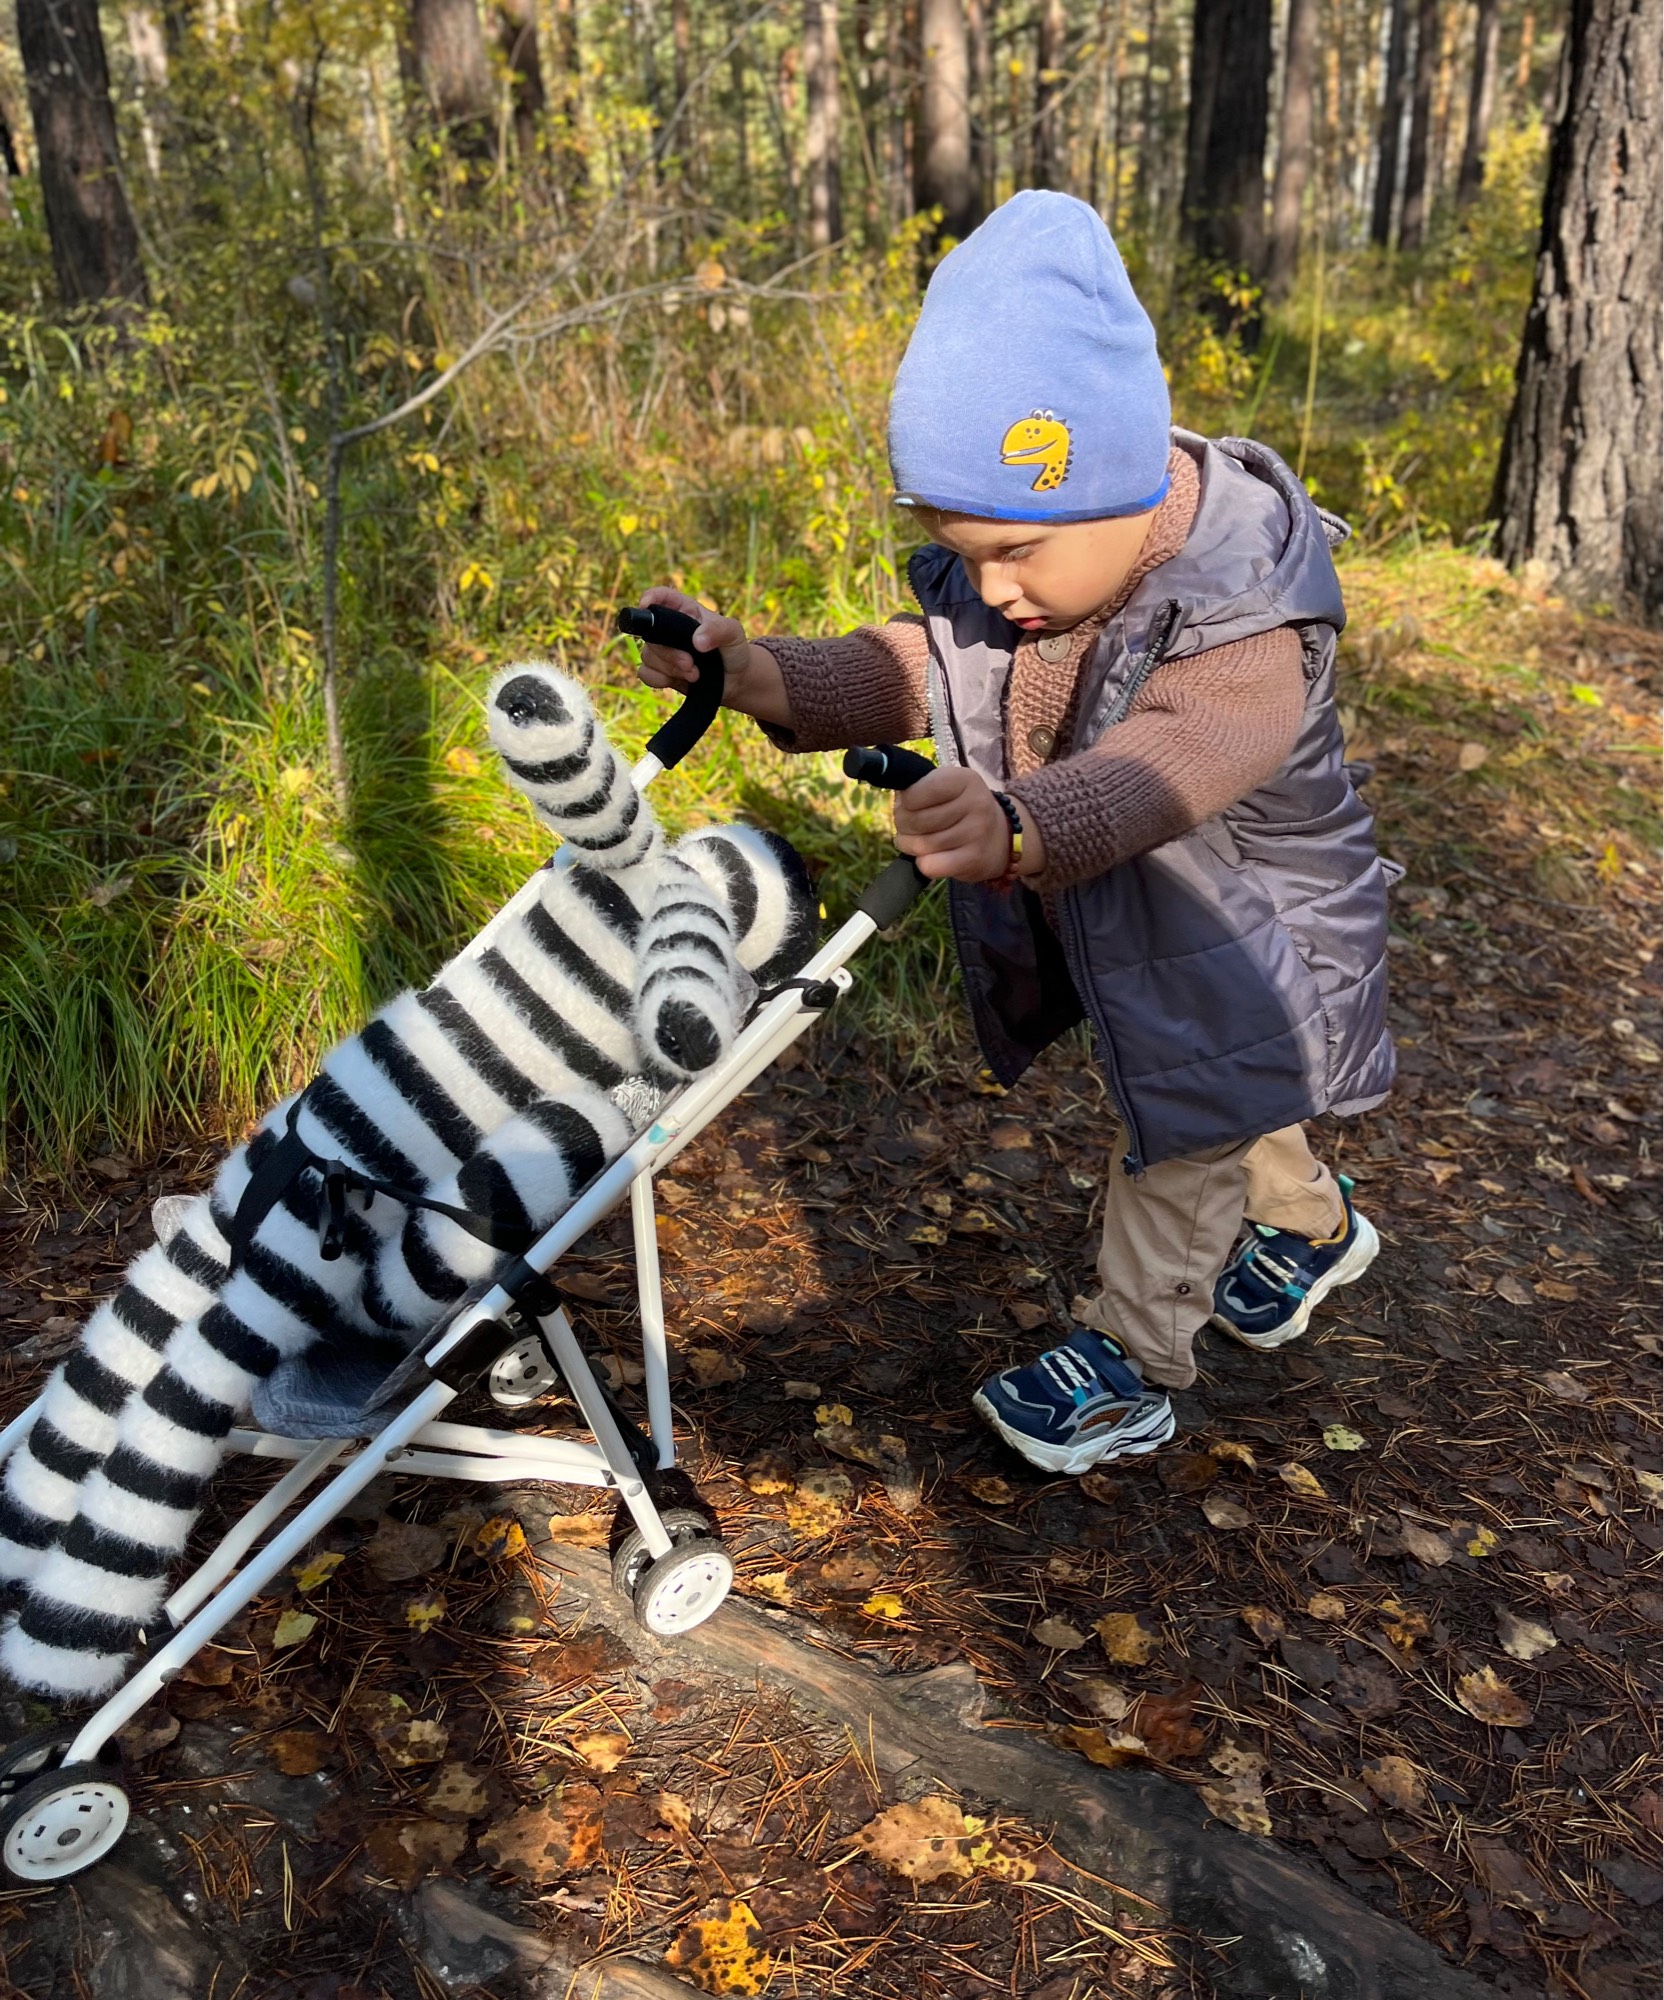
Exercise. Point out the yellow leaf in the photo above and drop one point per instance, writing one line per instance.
(462, 761)
(1126, 1641)
(1489, 1699)
(926, 1841)
(421, 1614)
(1481, 1542)
(319, 1570)
(1234, 1454)
(292, 1627)
(722, 1950)
(500, 1537)
(883, 1604)
(628, 524)
(1325, 1605)
(476, 577)
(1298, 1480)
(603, 1750)
(834, 1413)
(1338, 1438)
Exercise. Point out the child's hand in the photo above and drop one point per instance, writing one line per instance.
(952, 825)
(751, 676)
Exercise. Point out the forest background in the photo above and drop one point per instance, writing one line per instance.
(348, 350)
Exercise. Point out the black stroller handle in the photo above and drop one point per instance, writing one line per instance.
(891, 895)
(657, 625)
(887, 765)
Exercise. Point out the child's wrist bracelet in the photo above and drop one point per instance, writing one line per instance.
(1014, 860)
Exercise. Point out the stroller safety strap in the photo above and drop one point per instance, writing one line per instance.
(291, 1157)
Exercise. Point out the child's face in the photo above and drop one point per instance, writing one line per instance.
(1044, 577)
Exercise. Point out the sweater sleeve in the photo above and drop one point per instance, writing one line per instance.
(867, 687)
(1202, 734)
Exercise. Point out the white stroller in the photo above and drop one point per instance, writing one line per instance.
(62, 1804)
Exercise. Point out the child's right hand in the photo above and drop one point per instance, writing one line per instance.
(751, 676)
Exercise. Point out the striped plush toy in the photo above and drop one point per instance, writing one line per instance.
(500, 1089)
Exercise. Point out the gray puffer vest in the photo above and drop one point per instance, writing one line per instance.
(1235, 977)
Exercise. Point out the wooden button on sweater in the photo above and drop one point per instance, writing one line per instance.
(1042, 741)
(1055, 648)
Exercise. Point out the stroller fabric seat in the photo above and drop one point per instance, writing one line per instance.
(330, 1391)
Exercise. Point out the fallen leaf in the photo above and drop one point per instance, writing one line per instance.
(1324, 1605)
(1028, 1315)
(884, 1604)
(852, 1570)
(458, 1791)
(1479, 1541)
(1523, 1639)
(1403, 1625)
(1395, 1781)
(1563, 1387)
(1514, 1289)
(542, 1843)
(292, 1628)
(1507, 1876)
(834, 1413)
(709, 1367)
(1164, 1722)
(674, 1812)
(297, 1753)
(1108, 1748)
(770, 1472)
(1223, 1512)
(1234, 1454)
(1316, 1665)
(151, 1730)
(1651, 1486)
(463, 761)
(927, 1841)
(819, 1502)
(878, 1449)
(1337, 1437)
(990, 1489)
(406, 1744)
(722, 1950)
(1366, 1689)
(1126, 1640)
(775, 1585)
(1298, 1480)
(1240, 1800)
(421, 1614)
(499, 1538)
(926, 1233)
(1491, 1700)
(1189, 1471)
(1264, 1623)
(800, 1392)
(1103, 1487)
(405, 1850)
(1107, 1699)
(211, 1668)
(1059, 1635)
(1429, 1548)
(1471, 756)
(1564, 1294)
(602, 1749)
(401, 1551)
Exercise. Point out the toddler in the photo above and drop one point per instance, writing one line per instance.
(1125, 656)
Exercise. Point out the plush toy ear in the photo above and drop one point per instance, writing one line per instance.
(765, 888)
(545, 731)
(687, 997)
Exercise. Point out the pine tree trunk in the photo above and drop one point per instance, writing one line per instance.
(1578, 483)
(1230, 85)
(984, 159)
(568, 55)
(1051, 29)
(822, 176)
(95, 242)
(1481, 102)
(517, 41)
(942, 176)
(1294, 146)
(448, 45)
(1392, 125)
(1418, 190)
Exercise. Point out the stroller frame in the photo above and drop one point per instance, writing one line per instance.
(61, 1804)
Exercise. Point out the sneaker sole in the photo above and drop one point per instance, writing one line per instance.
(1072, 1458)
(1365, 1248)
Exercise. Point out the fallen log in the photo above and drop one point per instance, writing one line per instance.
(1275, 1928)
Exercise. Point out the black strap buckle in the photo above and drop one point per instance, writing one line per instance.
(817, 994)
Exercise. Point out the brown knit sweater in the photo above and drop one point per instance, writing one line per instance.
(1202, 733)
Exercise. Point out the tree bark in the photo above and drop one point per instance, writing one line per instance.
(95, 241)
(517, 41)
(1392, 126)
(1418, 189)
(448, 45)
(1481, 102)
(1578, 483)
(1051, 31)
(822, 174)
(1294, 146)
(942, 172)
(978, 43)
(1230, 85)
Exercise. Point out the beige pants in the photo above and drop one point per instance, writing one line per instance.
(1169, 1231)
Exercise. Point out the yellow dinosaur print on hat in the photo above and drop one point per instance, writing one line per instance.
(1039, 439)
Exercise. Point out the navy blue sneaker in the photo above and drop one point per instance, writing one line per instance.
(1075, 1407)
(1268, 1290)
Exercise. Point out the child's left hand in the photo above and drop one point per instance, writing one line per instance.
(953, 826)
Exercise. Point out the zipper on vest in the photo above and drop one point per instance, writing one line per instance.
(1162, 634)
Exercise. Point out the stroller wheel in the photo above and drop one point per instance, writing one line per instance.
(41, 1750)
(682, 1589)
(61, 1822)
(631, 1557)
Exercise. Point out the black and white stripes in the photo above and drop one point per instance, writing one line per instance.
(501, 1089)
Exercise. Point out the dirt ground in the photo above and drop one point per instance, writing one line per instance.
(1404, 1574)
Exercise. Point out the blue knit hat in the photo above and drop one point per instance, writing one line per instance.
(1031, 390)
